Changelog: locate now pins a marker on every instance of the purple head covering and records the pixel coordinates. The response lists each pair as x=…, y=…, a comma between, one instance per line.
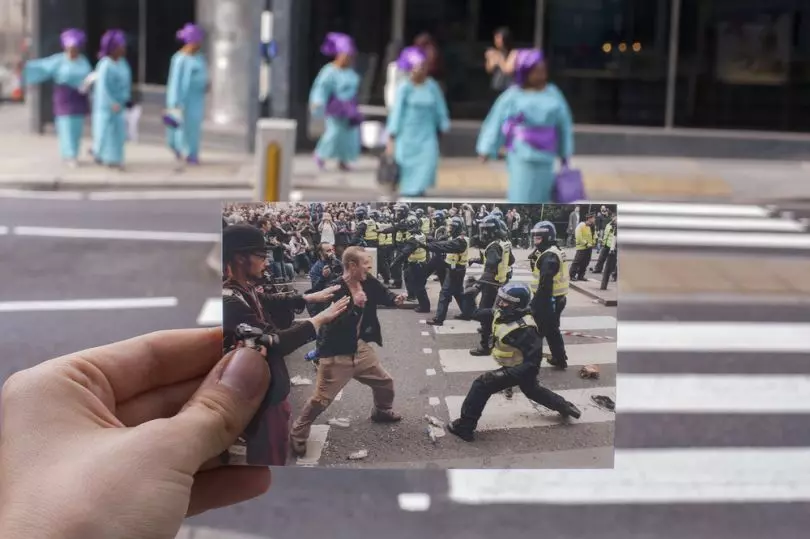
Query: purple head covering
x=191, y=34
x=410, y=58
x=72, y=37
x=111, y=40
x=525, y=61
x=336, y=43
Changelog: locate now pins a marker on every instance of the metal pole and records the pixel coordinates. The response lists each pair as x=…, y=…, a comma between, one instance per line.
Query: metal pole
x=142, y=42
x=398, y=21
x=672, y=67
x=539, y=20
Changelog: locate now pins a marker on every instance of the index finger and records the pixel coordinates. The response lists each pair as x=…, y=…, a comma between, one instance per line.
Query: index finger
x=154, y=360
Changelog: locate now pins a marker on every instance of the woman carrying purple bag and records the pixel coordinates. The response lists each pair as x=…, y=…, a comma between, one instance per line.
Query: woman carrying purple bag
x=334, y=94
x=533, y=122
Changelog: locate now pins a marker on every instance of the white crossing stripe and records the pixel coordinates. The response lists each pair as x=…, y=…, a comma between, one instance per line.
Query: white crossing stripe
x=315, y=444
x=414, y=501
x=714, y=337
x=730, y=394
x=107, y=234
x=701, y=476
x=708, y=223
x=569, y=323
x=3, y=230
x=578, y=355
x=715, y=210
x=87, y=304
x=520, y=412
x=41, y=195
x=211, y=313
x=668, y=238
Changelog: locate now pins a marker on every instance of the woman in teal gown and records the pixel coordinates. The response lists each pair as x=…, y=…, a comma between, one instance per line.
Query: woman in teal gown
x=334, y=95
x=68, y=70
x=417, y=118
x=112, y=90
x=533, y=122
x=185, y=91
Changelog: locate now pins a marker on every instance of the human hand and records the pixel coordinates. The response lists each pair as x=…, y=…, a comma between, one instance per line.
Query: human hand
x=326, y=271
x=390, y=147
x=122, y=440
x=360, y=299
x=322, y=296
x=400, y=299
x=331, y=312
x=483, y=158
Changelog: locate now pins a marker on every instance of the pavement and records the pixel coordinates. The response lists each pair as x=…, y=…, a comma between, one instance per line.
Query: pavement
x=713, y=434
x=31, y=162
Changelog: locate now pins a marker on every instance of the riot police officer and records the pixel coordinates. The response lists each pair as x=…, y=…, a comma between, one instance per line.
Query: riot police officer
x=399, y=229
x=424, y=221
x=439, y=233
x=518, y=349
x=497, y=259
x=367, y=231
x=244, y=252
x=456, y=252
x=607, y=241
x=550, y=276
x=385, y=246
x=413, y=251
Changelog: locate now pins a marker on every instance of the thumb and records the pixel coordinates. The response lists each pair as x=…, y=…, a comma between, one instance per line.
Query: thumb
x=222, y=407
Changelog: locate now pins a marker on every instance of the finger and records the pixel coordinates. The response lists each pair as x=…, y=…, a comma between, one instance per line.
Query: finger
x=158, y=403
x=154, y=360
x=227, y=486
x=220, y=409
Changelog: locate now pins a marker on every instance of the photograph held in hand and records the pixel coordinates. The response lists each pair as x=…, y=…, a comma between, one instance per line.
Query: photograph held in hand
x=334, y=293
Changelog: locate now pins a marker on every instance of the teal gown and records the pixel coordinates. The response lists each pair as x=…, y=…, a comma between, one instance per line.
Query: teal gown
x=113, y=86
x=418, y=116
x=185, y=90
x=60, y=69
x=340, y=140
x=531, y=171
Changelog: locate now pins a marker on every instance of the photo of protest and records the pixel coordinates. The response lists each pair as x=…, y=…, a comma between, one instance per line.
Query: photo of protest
x=424, y=335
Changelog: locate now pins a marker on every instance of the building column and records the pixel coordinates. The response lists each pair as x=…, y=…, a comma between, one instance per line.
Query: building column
x=233, y=41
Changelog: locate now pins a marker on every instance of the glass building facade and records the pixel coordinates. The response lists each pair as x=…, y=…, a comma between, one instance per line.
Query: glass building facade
x=712, y=64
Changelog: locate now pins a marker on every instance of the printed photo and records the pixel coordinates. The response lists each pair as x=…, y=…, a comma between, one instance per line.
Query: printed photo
x=425, y=335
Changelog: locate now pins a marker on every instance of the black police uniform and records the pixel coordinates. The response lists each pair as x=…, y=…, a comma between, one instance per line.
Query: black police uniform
x=528, y=341
x=385, y=251
x=436, y=264
x=547, y=309
x=415, y=274
x=453, y=283
x=489, y=291
x=398, y=229
x=267, y=435
x=612, y=262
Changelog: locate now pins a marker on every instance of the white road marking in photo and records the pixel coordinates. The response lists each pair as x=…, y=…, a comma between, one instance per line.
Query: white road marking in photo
x=578, y=355
x=668, y=238
x=169, y=194
x=430, y=372
x=204, y=532
x=709, y=223
x=694, y=476
x=87, y=304
x=425, y=333
x=519, y=412
x=414, y=501
x=568, y=323
x=211, y=313
x=706, y=394
x=713, y=337
x=339, y=395
x=41, y=195
x=93, y=233
x=3, y=230
x=715, y=210
x=315, y=445
x=427, y=350
x=434, y=401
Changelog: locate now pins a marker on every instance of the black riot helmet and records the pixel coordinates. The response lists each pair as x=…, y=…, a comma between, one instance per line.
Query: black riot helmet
x=439, y=218
x=420, y=212
x=412, y=224
x=544, y=235
x=360, y=213
x=513, y=298
x=455, y=227
x=401, y=211
x=489, y=229
x=374, y=214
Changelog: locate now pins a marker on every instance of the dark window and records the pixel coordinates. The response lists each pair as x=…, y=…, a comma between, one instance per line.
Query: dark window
x=103, y=15
x=744, y=64
x=163, y=19
x=610, y=58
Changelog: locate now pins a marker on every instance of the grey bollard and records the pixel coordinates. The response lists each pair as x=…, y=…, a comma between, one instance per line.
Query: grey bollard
x=275, y=152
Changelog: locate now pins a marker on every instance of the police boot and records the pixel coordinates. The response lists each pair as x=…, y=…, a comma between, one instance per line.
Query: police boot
x=465, y=433
x=462, y=317
x=395, y=286
x=480, y=351
x=435, y=322
x=569, y=410
x=508, y=393
x=560, y=364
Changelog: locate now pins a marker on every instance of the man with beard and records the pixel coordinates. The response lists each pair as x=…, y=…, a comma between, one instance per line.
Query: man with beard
x=244, y=259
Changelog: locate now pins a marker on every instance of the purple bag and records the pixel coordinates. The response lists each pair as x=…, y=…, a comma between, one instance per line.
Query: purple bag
x=568, y=186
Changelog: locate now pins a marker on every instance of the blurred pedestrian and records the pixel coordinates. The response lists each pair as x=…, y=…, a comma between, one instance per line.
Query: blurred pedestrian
x=111, y=92
x=185, y=95
x=417, y=118
x=68, y=70
x=500, y=60
x=533, y=122
x=334, y=94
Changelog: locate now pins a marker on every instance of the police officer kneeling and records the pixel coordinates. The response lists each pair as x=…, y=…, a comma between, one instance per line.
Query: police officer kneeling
x=518, y=349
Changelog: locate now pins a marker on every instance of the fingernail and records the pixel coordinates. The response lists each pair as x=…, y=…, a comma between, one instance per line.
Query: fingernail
x=246, y=373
